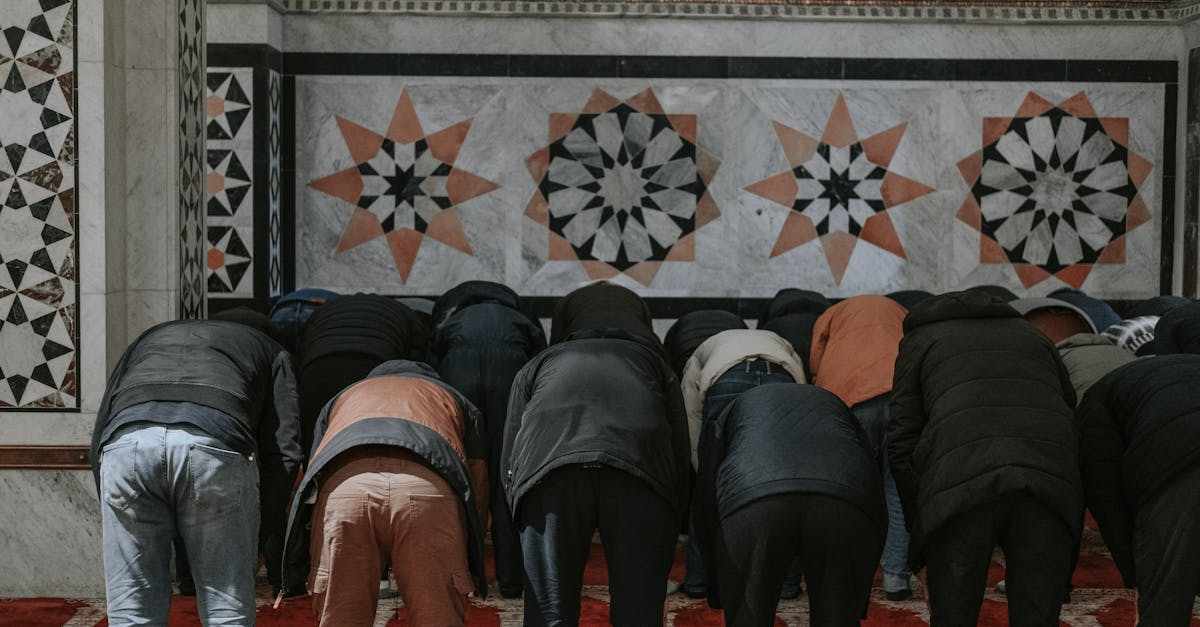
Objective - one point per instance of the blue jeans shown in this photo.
(159, 481)
(872, 414)
(723, 392)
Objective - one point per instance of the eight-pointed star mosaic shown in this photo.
(1054, 190)
(622, 187)
(404, 185)
(839, 189)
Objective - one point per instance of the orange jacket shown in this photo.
(854, 347)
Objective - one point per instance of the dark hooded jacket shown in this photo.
(690, 331)
(482, 342)
(1099, 312)
(601, 396)
(981, 406)
(1155, 306)
(782, 438)
(791, 315)
(364, 325)
(459, 463)
(226, 366)
(598, 305)
(1178, 331)
(1140, 425)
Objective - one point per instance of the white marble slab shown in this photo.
(54, 517)
(733, 37)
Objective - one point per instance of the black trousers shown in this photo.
(485, 378)
(1166, 552)
(1037, 553)
(838, 547)
(637, 528)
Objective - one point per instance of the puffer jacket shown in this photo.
(793, 301)
(364, 324)
(854, 347)
(1140, 426)
(981, 406)
(1178, 331)
(601, 396)
(782, 438)
(721, 352)
(690, 331)
(1089, 356)
(401, 404)
(598, 305)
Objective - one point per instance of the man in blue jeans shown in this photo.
(720, 369)
(196, 417)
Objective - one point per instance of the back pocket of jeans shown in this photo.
(120, 484)
(220, 478)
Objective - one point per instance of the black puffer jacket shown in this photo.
(1178, 331)
(690, 331)
(364, 324)
(981, 406)
(781, 438)
(603, 395)
(1140, 424)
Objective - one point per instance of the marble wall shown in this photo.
(38, 207)
(726, 185)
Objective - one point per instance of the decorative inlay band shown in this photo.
(866, 10)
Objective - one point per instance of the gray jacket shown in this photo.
(1090, 356)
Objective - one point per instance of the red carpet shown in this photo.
(1099, 599)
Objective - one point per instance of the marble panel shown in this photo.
(238, 23)
(229, 182)
(39, 247)
(56, 515)
(727, 187)
(190, 185)
(149, 24)
(726, 37)
(148, 179)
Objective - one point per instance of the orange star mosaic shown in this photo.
(404, 185)
(839, 188)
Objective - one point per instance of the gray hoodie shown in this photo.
(1090, 356)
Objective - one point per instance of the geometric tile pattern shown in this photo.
(191, 109)
(403, 185)
(1054, 190)
(622, 187)
(274, 158)
(229, 181)
(38, 212)
(839, 189)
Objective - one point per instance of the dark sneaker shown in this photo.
(789, 593)
(898, 595)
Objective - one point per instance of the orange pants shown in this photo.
(373, 507)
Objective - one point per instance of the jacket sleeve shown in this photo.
(704, 499)
(475, 446)
(820, 338)
(1100, 454)
(693, 402)
(906, 422)
(680, 445)
(278, 436)
(518, 397)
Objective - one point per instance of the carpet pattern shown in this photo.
(1097, 601)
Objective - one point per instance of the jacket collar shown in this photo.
(957, 305)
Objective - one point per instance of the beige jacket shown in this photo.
(721, 352)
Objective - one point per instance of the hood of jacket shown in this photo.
(957, 305)
(470, 293)
(403, 367)
(791, 301)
